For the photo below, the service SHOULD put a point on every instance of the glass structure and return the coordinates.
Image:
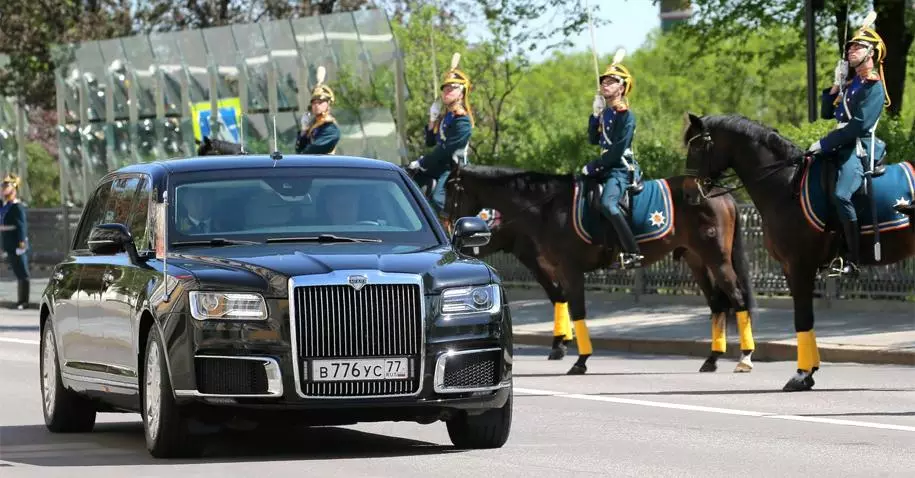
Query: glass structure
(149, 97)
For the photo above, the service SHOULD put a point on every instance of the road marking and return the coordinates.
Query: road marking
(19, 341)
(726, 411)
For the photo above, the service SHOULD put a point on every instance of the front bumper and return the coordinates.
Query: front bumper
(448, 370)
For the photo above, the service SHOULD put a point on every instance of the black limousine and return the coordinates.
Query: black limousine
(318, 290)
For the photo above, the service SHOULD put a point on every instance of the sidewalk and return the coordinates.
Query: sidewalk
(875, 332)
(864, 332)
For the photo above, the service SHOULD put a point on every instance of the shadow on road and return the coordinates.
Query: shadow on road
(115, 444)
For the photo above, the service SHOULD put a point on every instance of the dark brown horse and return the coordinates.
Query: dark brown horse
(766, 163)
(537, 211)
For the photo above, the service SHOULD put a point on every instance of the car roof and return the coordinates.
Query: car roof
(228, 162)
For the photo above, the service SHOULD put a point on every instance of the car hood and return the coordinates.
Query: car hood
(268, 267)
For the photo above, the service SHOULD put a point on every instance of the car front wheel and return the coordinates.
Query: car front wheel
(487, 430)
(167, 433)
(64, 410)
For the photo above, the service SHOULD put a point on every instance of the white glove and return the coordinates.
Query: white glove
(598, 105)
(584, 170)
(840, 73)
(306, 119)
(414, 164)
(815, 147)
(19, 251)
(435, 110)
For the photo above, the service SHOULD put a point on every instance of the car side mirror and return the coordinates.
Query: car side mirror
(110, 239)
(470, 232)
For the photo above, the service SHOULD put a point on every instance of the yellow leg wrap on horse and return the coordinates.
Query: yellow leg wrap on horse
(816, 350)
(806, 344)
(719, 334)
(562, 322)
(584, 339)
(745, 328)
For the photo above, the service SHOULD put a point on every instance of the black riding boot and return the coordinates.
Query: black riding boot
(853, 244)
(23, 294)
(631, 255)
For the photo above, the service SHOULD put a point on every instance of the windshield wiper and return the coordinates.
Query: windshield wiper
(216, 241)
(321, 238)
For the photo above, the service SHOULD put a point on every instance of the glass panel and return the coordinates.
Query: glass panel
(286, 60)
(141, 71)
(71, 165)
(352, 141)
(222, 48)
(193, 53)
(117, 75)
(254, 58)
(68, 74)
(139, 217)
(256, 133)
(376, 37)
(168, 60)
(94, 215)
(93, 141)
(94, 80)
(120, 201)
(309, 36)
(381, 134)
(121, 144)
(341, 34)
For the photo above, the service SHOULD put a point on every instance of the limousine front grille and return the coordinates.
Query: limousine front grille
(376, 321)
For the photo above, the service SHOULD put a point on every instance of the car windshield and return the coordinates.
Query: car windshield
(295, 204)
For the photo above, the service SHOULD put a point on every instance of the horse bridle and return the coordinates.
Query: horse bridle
(709, 183)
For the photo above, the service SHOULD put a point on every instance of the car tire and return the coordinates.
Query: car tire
(165, 427)
(487, 430)
(64, 410)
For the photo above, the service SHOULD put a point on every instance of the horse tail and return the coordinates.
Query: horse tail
(741, 262)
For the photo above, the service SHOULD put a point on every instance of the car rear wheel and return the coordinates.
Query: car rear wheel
(167, 433)
(64, 410)
(487, 430)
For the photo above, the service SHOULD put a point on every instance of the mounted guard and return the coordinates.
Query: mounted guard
(319, 132)
(448, 133)
(856, 105)
(612, 126)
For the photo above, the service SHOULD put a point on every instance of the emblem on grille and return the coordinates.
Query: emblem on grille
(358, 281)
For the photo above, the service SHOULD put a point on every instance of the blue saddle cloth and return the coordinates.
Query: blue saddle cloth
(895, 186)
(650, 212)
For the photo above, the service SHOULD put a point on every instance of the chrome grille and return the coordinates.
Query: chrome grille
(338, 321)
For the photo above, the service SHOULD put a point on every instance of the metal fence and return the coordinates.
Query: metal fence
(148, 97)
(51, 229)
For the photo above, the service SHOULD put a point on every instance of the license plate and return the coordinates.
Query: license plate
(360, 369)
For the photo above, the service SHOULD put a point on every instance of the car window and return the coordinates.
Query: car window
(92, 215)
(260, 207)
(120, 200)
(139, 216)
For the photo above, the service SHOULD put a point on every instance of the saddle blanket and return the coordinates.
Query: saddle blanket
(650, 213)
(895, 186)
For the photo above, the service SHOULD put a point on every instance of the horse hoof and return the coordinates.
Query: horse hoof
(710, 365)
(799, 383)
(577, 370)
(557, 354)
(744, 366)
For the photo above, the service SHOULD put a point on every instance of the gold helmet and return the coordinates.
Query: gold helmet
(454, 76)
(12, 180)
(620, 72)
(869, 38)
(322, 91)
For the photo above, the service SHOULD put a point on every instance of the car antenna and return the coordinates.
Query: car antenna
(276, 155)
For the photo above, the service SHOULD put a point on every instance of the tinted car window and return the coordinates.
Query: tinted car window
(92, 215)
(295, 203)
(140, 215)
(120, 200)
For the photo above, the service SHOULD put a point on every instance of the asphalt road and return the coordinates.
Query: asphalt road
(632, 415)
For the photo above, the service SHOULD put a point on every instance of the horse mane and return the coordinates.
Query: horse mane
(764, 135)
(519, 179)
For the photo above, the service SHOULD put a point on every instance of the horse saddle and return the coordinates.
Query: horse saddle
(593, 188)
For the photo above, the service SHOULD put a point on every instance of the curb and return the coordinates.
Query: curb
(766, 351)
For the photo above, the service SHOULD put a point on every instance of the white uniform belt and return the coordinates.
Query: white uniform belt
(841, 125)
(602, 151)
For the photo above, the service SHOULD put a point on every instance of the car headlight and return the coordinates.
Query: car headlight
(227, 305)
(471, 300)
